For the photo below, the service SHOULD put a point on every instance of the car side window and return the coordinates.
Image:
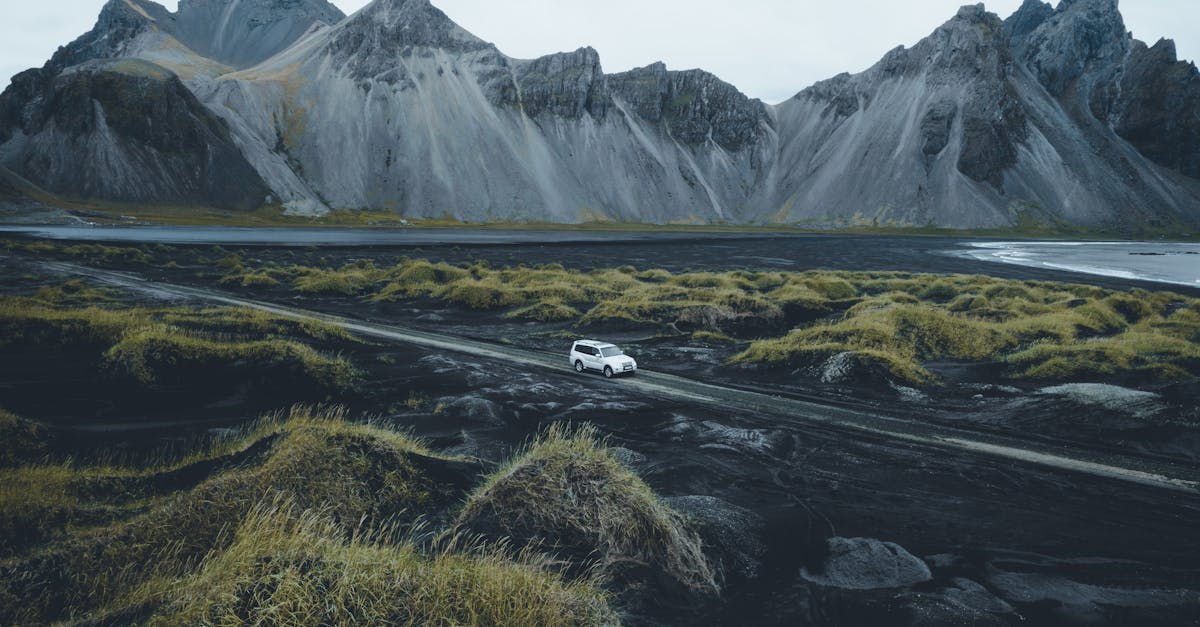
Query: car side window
(587, 350)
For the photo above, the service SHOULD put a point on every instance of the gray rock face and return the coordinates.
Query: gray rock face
(566, 85)
(981, 124)
(1082, 39)
(86, 135)
(1156, 106)
(1054, 114)
(119, 24)
(108, 118)
(937, 125)
(242, 33)
(1027, 18)
(369, 44)
(695, 106)
(235, 33)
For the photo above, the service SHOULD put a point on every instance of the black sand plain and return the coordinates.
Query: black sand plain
(923, 536)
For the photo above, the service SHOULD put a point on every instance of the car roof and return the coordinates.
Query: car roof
(595, 343)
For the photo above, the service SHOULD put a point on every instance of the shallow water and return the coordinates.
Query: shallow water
(324, 236)
(1161, 262)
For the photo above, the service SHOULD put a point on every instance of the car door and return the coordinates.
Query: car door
(593, 358)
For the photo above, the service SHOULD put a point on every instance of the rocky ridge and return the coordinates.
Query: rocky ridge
(1056, 114)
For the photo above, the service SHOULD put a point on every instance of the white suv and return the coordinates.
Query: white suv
(602, 356)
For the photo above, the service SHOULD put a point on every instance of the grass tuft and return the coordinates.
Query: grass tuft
(283, 568)
(146, 345)
(566, 492)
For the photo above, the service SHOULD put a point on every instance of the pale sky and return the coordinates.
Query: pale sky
(770, 49)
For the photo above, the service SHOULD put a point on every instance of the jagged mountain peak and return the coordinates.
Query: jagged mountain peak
(120, 21)
(417, 22)
(1080, 37)
(1055, 112)
(696, 106)
(972, 12)
(1103, 6)
(242, 33)
(231, 33)
(1026, 19)
(567, 84)
(369, 42)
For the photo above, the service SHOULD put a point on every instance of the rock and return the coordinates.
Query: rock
(910, 395)
(1086, 603)
(839, 367)
(868, 564)
(973, 596)
(731, 534)
(566, 85)
(85, 135)
(242, 33)
(936, 126)
(694, 105)
(964, 602)
(1027, 18)
(715, 434)
(1156, 106)
(1081, 40)
(630, 458)
(472, 408)
(1135, 403)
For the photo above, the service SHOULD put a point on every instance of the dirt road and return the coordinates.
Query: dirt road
(776, 411)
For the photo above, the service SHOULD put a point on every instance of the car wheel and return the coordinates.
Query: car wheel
(608, 371)
(578, 366)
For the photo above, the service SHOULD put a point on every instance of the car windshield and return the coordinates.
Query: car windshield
(611, 351)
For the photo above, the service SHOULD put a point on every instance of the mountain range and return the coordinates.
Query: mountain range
(1055, 115)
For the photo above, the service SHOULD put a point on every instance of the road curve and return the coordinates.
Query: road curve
(769, 409)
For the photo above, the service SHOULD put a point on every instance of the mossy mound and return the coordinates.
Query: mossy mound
(307, 518)
(142, 345)
(91, 537)
(568, 495)
(282, 569)
(21, 441)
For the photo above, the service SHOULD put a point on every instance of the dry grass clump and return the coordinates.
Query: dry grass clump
(164, 518)
(712, 338)
(547, 311)
(897, 335)
(1043, 330)
(288, 569)
(21, 440)
(160, 351)
(567, 493)
(148, 344)
(348, 280)
(263, 279)
(897, 321)
(301, 518)
(88, 252)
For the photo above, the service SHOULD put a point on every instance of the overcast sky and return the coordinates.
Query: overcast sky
(770, 49)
